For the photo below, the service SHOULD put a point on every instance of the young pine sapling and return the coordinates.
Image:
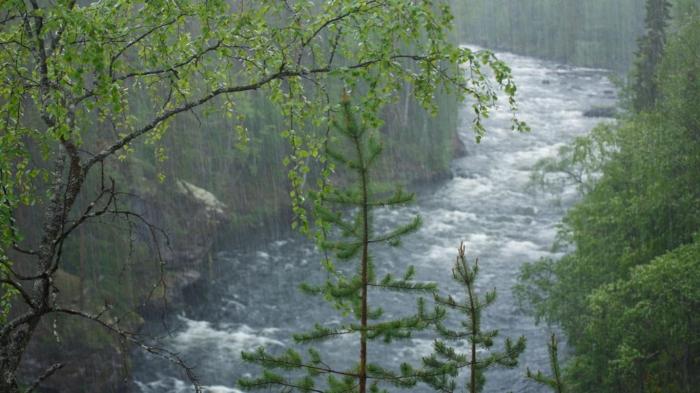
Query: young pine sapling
(554, 382)
(349, 286)
(443, 366)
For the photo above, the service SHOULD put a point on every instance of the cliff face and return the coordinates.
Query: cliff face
(196, 215)
(94, 360)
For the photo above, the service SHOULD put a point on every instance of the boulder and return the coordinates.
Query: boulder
(601, 111)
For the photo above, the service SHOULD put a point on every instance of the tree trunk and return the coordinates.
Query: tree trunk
(16, 334)
(12, 347)
(365, 275)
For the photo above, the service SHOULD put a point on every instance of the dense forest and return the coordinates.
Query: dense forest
(139, 139)
(626, 290)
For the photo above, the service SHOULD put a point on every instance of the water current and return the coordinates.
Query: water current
(255, 301)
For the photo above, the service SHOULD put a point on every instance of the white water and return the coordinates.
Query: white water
(255, 300)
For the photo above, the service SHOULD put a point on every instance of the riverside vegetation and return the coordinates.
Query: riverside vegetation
(627, 290)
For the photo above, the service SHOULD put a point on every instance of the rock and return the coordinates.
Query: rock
(94, 361)
(601, 111)
(208, 200)
(191, 216)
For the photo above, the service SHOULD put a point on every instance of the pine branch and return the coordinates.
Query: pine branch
(555, 382)
(344, 197)
(398, 198)
(291, 360)
(392, 238)
(404, 284)
(320, 333)
(374, 149)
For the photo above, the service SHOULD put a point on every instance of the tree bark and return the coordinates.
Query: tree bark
(12, 347)
(16, 334)
(365, 274)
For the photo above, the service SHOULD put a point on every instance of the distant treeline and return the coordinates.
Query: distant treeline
(592, 33)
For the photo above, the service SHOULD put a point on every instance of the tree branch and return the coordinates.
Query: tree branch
(25, 296)
(281, 74)
(48, 373)
(135, 41)
(134, 338)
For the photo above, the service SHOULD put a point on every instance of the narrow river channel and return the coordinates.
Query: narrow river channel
(255, 299)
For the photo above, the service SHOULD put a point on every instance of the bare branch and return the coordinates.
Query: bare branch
(16, 322)
(48, 373)
(135, 339)
(25, 296)
(358, 9)
(137, 40)
(174, 68)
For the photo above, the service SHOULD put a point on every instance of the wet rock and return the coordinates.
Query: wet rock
(214, 208)
(602, 111)
(198, 215)
(191, 216)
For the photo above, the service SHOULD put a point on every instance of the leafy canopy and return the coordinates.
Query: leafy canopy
(86, 80)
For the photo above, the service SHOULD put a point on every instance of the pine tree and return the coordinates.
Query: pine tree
(651, 49)
(554, 382)
(441, 367)
(347, 215)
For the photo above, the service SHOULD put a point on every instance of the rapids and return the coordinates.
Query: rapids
(487, 203)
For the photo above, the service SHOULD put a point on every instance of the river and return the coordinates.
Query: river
(487, 204)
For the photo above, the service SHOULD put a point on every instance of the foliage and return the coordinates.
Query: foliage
(578, 163)
(554, 382)
(441, 367)
(643, 331)
(651, 48)
(348, 287)
(625, 241)
(84, 83)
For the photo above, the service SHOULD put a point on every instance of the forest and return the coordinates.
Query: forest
(340, 196)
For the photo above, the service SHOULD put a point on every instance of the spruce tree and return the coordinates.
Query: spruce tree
(651, 49)
(443, 366)
(346, 215)
(554, 382)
